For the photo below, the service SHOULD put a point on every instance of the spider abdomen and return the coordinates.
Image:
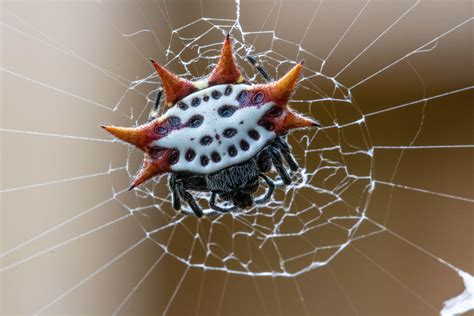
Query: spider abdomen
(227, 133)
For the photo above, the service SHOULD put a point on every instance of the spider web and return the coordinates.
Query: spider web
(306, 225)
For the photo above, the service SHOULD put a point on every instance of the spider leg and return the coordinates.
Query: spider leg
(278, 182)
(186, 196)
(213, 205)
(285, 150)
(268, 195)
(154, 109)
(280, 168)
(174, 193)
(260, 69)
(264, 161)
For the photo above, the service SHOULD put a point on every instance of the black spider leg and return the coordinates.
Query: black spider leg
(260, 69)
(278, 164)
(174, 193)
(154, 109)
(265, 164)
(213, 205)
(179, 192)
(285, 150)
(271, 187)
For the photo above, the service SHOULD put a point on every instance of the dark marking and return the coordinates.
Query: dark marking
(216, 94)
(196, 121)
(206, 98)
(228, 90)
(204, 161)
(258, 98)
(227, 110)
(242, 96)
(244, 145)
(254, 134)
(174, 121)
(190, 154)
(274, 111)
(215, 156)
(173, 157)
(229, 132)
(182, 105)
(205, 140)
(160, 130)
(195, 102)
(218, 137)
(156, 152)
(232, 151)
(268, 125)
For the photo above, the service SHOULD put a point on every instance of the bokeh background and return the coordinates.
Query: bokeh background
(69, 243)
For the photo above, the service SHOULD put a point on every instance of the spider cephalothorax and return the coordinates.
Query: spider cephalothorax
(218, 135)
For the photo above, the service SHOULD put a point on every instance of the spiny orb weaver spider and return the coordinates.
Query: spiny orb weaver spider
(218, 135)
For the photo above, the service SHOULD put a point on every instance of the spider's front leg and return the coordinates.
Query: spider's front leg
(179, 192)
(154, 109)
(285, 150)
(260, 69)
(278, 164)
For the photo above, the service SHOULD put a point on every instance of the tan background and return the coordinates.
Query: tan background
(70, 246)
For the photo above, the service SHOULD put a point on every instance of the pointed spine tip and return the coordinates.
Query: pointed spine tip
(155, 64)
(301, 62)
(132, 186)
(104, 126)
(227, 36)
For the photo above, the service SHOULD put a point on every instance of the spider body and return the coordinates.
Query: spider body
(218, 135)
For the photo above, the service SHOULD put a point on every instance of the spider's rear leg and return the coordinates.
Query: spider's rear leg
(285, 150)
(213, 205)
(154, 109)
(268, 195)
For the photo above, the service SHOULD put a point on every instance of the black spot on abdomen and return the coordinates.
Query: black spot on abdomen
(215, 156)
(195, 102)
(228, 90)
(216, 94)
(229, 132)
(244, 145)
(232, 151)
(204, 161)
(254, 134)
(190, 154)
(227, 110)
(205, 140)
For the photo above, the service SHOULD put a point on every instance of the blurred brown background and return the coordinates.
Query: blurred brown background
(69, 243)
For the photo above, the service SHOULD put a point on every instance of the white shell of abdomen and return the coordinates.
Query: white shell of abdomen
(218, 141)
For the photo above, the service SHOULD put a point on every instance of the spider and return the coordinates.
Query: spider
(219, 135)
